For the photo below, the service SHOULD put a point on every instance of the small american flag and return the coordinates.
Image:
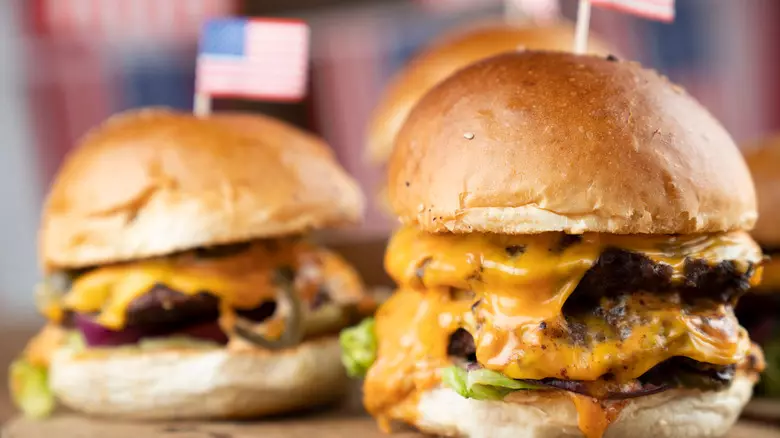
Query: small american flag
(264, 59)
(661, 10)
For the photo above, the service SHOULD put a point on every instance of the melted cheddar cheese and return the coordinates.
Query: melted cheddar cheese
(412, 329)
(241, 281)
(519, 286)
(40, 348)
(770, 279)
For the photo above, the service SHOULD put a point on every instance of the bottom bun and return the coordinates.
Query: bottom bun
(674, 413)
(198, 384)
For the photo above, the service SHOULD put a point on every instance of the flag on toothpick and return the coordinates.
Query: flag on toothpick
(265, 59)
(661, 10)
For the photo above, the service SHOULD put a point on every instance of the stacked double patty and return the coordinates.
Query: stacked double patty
(605, 291)
(583, 303)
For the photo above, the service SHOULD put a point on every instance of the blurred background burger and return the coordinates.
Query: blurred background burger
(179, 280)
(445, 56)
(758, 311)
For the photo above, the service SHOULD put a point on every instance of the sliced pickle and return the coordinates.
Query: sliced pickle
(293, 330)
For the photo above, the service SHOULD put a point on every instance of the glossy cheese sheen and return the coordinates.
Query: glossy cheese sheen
(412, 329)
(241, 281)
(594, 416)
(492, 261)
(647, 331)
(519, 285)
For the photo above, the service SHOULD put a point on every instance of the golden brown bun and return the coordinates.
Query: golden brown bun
(450, 53)
(196, 384)
(153, 182)
(529, 142)
(764, 162)
(676, 413)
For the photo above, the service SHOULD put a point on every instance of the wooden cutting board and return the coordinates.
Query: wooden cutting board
(320, 425)
(764, 409)
(346, 420)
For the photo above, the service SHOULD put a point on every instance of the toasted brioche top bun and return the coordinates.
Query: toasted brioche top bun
(528, 142)
(676, 413)
(153, 182)
(763, 160)
(450, 53)
(199, 384)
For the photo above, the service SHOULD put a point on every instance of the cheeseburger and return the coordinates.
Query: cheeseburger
(759, 310)
(574, 241)
(180, 283)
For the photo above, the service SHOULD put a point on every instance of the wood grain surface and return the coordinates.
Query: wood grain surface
(345, 420)
(320, 426)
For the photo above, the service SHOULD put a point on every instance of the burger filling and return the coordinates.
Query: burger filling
(267, 294)
(758, 311)
(604, 317)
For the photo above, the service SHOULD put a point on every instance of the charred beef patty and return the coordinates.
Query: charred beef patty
(163, 306)
(618, 271)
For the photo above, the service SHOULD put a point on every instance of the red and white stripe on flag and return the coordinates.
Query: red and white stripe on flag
(131, 19)
(264, 59)
(661, 10)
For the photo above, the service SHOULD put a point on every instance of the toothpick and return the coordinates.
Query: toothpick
(583, 23)
(201, 105)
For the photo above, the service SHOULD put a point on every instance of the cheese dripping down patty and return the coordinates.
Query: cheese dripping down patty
(514, 308)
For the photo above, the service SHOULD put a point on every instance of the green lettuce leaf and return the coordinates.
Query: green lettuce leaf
(482, 384)
(30, 389)
(358, 347)
(456, 378)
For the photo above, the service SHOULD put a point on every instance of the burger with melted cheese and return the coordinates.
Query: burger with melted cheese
(759, 310)
(180, 280)
(574, 241)
(444, 57)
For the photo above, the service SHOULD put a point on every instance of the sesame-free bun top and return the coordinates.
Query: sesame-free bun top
(153, 182)
(763, 159)
(528, 142)
(448, 54)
